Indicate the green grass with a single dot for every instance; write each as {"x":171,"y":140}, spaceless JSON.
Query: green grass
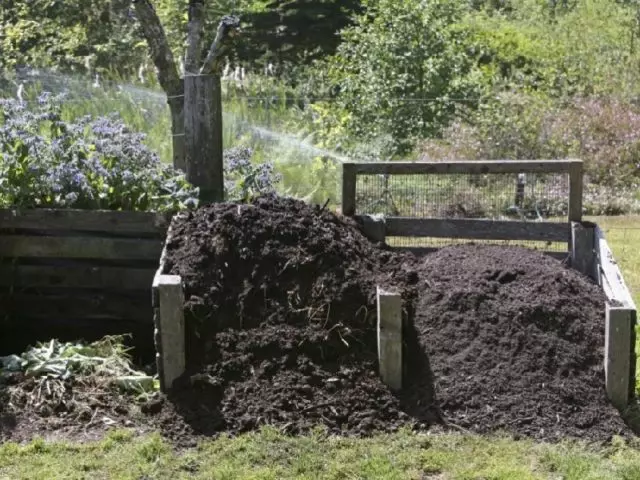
{"x":270,"y":455}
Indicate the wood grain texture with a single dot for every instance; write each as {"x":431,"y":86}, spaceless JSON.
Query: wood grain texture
{"x":203,"y":136}
{"x":389,"y":328}
{"x":79,"y":247}
{"x":562,"y":256}
{"x":77,"y":304}
{"x":583,"y":257}
{"x":85,"y":221}
{"x":469,"y":167}
{"x":473,"y":229}
{"x":619,"y":355}
{"x":77,"y":277}
{"x":610,"y":276}
{"x":348,"y":207}
{"x":170,"y":325}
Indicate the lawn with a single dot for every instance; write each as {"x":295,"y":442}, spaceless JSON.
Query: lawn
{"x":270,"y":455}
{"x":405,"y":455}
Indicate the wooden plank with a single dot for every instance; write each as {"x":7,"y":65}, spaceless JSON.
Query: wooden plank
{"x":203,"y":135}
{"x":610,"y":277}
{"x":85,"y":220}
{"x":419,"y":251}
{"x":135,"y":308}
{"x":583,"y":257}
{"x":83,"y":277}
{"x":170,"y":327}
{"x":80,"y":247}
{"x":155,"y":300}
{"x":575,"y":192}
{"x":619,"y":345}
{"x":390,"y":337}
{"x":470,"y":167}
{"x":348,"y":206}
{"x":474,"y":229}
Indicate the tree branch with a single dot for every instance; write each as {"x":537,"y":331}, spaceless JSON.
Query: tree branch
{"x":194,"y":35}
{"x":159,"y":47}
{"x":229,"y":26}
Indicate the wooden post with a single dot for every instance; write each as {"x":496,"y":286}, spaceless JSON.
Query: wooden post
{"x":203,"y":135}
{"x":583,"y":257}
{"x":168,"y":299}
{"x":619,"y":356}
{"x":176,"y":107}
{"x":348,"y":189}
{"x":390,"y":338}
{"x":374,"y":227}
{"x":620,"y":324}
{"x":575,"y":191}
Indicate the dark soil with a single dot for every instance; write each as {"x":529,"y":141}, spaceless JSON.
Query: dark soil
{"x":516,"y":343}
{"x":281,"y":321}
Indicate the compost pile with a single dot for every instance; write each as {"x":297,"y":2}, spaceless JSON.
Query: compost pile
{"x":281,"y":324}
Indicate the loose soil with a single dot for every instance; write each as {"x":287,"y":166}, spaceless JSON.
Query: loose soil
{"x":281,"y":330}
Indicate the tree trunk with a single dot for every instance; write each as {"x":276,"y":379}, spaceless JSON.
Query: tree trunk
{"x":168,"y":76}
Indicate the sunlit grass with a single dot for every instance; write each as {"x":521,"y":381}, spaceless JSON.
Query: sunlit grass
{"x":271,"y":455}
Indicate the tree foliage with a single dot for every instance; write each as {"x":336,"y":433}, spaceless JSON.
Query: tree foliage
{"x":403,"y":70}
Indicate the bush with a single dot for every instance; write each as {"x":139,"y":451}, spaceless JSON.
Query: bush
{"x":402,"y":70}
{"x":88,"y":163}
{"x":604,"y":133}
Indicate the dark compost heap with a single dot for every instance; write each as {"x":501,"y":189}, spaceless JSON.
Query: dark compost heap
{"x":281,"y":316}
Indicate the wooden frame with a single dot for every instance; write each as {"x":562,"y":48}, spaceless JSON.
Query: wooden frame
{"x":167,"y":298}
{"x":588,"y":250}
{"x":350,"y":171}
{"x":77,"y":267}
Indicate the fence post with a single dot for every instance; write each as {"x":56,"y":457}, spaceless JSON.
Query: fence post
{"x":203,"y":135}
{"x":390,"y":338}
{"x":583,"y":258}
{"x":575,"y":191}
{"x":348,"y":189}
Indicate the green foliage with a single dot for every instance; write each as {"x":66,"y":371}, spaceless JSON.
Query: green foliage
{"x":559,"y":48}
{"x":402,"y":70}
{"x":70,"y":35}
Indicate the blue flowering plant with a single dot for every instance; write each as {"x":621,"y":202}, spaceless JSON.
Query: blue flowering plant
{"x":87,"y":163}
{"x":245,"y":179}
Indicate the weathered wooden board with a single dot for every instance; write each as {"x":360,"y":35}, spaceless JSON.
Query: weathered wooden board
{"x":203,"y":135}
{"x":80,"y":247}
{"x":70,"y":304}
{"x":583,"y":257}
{"x":85,"y":221}
{"x":619,"y":364}
{"x":348,"y":206}
{"x":575,"y":191}
{"x":477,"y":229}
{"x":170,"y":329}
{"x":468,"y":167}
{"x":389,"y":329}
{"x":427,"y":250}
{"x":81,"y":277}
{"x":610,"y":277}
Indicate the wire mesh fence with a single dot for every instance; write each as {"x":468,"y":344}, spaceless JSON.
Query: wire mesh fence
{"x":529,"y":197}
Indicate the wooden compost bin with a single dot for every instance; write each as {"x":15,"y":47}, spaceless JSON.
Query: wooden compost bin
{"x":68,"y":271}
{"x":586,"y":251}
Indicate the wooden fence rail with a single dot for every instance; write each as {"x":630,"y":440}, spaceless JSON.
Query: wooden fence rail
{"x":574,"y":168}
